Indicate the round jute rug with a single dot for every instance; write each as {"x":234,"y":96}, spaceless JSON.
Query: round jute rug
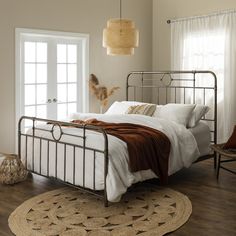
{"x":69,"y":212}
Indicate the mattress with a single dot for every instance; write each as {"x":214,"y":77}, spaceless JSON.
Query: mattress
{"x":184,"y":151}
{"x":202,"y":135}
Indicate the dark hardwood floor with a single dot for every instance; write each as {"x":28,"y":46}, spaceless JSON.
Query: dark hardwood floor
{"x":214,"y":202}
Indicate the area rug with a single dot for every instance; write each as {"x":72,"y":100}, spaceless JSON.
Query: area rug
{"x":69,"y":212}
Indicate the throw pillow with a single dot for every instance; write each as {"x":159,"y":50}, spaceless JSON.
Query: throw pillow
{"x":145,"y":109}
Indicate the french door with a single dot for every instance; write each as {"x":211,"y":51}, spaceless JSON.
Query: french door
{"x":50,"y":79}
{"x":53,"y":76}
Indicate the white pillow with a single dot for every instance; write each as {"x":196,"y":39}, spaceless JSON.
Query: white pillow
{"x":119,"y":108}
{"x":198,"y":112}
{"x":179,"y":113}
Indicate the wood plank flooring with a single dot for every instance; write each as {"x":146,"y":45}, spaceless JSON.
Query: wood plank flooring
{"x":214,"y":202}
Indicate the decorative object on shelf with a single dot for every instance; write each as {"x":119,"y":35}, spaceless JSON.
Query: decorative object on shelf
{"x":12,"y":170}
{"x":120,"y":37}
{"x":101,"y":92}
{"x":147,"y":210}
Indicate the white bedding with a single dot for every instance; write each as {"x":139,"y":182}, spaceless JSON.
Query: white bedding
{"x":201,"y":133}
{"x":184,"y":151}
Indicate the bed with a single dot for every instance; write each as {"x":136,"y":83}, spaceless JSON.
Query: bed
{"x":86,"y":157}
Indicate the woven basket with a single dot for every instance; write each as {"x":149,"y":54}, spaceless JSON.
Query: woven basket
{"x":12,"y":170}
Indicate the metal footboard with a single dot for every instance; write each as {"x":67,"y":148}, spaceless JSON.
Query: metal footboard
{"x":55,"y":136}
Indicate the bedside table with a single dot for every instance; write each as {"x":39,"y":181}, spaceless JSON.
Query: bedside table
{"x":231,"y":155}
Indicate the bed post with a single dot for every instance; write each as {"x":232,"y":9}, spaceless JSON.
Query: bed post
{"x":106,"y":162}
{"x":19,"y":137}
{"x":127,"y":86}
{"x":215,"y":117}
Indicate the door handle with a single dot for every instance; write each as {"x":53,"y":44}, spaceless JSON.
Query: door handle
{"x":52,"y":100}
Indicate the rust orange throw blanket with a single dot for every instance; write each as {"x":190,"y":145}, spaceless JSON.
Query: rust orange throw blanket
{"x":148,"y":148}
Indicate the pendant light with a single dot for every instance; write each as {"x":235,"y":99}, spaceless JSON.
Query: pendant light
{"x":120,"y":37}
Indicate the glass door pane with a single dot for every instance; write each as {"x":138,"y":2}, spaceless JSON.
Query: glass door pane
{"x":67,"y":80}
{"x":50,"y":72}
{"x":35,"y":79}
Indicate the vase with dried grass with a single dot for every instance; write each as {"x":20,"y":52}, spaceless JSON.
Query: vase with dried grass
{"x":102,"y":93}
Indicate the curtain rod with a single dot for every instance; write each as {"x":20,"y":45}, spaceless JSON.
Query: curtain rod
{"x":201,"y":16}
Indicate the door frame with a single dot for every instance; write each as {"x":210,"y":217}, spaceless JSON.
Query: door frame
{"x":19,"y":96}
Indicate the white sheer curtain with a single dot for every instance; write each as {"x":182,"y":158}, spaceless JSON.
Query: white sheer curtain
{"x":209,"y":43}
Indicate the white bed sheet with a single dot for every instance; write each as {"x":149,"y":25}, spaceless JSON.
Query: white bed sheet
{"x":184,"y":151}
{"x":201,"y":133}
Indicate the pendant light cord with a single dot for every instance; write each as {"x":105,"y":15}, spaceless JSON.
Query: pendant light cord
{"x":120,"y":9}
{"x":120,"y":17}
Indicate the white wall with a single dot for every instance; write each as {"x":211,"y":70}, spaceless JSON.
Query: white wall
{"x":171,"y":9}
{"x":83,"y":16}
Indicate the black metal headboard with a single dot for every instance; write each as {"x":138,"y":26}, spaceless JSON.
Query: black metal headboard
{"x":187,"y":87}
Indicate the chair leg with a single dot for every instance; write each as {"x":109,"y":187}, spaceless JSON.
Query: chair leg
{"x":218,"y":167}
{"x":215,"y":160}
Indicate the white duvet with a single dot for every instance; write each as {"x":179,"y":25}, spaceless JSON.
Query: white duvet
{"x":184,"y":152}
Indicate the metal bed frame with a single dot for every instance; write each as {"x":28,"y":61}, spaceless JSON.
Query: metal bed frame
{"x":167,"y":83}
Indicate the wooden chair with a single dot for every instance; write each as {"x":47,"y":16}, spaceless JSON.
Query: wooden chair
{"x":229,"y":154}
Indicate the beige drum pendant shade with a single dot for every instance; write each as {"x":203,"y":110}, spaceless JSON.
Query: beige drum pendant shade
{"x":120,"y":37}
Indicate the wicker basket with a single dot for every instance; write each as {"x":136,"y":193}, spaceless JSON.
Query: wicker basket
{"x":12,"y":170}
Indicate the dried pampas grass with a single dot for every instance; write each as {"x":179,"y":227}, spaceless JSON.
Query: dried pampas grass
{"x":101,"y":92}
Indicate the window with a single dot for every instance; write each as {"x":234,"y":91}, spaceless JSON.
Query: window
{"x":51,"y":72}
{"x":206,"y":52}
{"x":208,"y":43}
